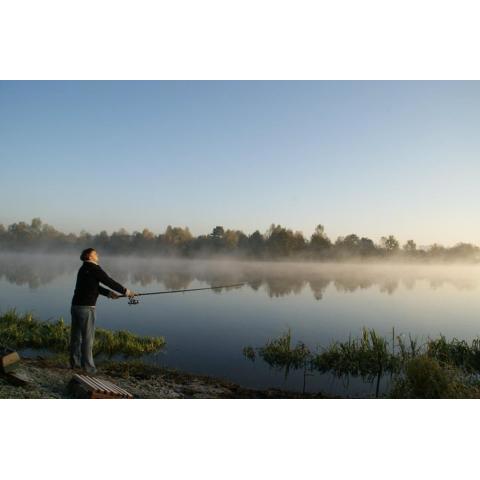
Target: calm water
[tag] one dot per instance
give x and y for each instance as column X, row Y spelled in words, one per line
column 206, row 331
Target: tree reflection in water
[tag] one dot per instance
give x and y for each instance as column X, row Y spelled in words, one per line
column 275, row 279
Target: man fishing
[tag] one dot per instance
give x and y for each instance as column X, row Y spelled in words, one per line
column 84, row 299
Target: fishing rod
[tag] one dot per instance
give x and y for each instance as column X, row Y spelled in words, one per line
column 134, row 301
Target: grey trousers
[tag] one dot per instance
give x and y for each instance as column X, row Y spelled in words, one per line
column 81, row 338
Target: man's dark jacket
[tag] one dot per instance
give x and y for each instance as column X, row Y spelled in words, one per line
column 87, row 288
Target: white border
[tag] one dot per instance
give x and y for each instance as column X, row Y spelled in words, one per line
column 248, row 39
column 238, row 439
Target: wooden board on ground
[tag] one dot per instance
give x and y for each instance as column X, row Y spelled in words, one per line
column 85, row 386
column 9, row 360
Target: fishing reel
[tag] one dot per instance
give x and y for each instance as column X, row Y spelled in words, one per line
column 133, row 301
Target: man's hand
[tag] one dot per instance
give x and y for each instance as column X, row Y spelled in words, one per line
column 113, row 295
column 130, row 293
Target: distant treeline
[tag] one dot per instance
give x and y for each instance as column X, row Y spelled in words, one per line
column 277, row 243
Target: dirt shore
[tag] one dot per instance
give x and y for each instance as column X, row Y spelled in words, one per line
column 49, row 378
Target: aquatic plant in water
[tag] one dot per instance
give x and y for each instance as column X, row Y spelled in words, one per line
column 24, row 331
column 279, row 353
column 443, row 367
column 426, row 377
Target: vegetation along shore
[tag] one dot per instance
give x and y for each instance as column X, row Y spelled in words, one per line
column 118, row 353
column 434, row 368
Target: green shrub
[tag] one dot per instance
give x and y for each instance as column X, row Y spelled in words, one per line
column 426, row 377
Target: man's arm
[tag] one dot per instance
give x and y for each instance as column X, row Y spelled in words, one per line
column 103, row 291
column 102, row 277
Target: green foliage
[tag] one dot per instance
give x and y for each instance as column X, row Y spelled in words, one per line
column 319, row 242
column 435, row 369
column 456, row 352
column 276, row 243
column 282, row 242
column 408, row 349
column 368, row 357
column 279, row 353
column 426, row 377
column 24, row 331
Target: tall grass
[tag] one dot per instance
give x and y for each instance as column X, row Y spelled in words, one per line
column 368, row 356
column 279, row 353
column 441, row 365
column 24, row 331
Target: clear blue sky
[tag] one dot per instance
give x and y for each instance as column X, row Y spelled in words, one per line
column 373, row 158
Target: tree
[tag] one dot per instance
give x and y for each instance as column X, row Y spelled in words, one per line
column 390, row 244
column 36, row 225
column 410, row 247
column 143, row 241
column 319, row 242
column 352, row 242
column 175, row 239
column 230, row 240
column 256, row 244
column 347, row 246
column 367, row 247
column 85, row 239
column 120, row 241
column 102, row 240
column 464, row 251
column 218, row 232
column 436, row 250
column 281, row 242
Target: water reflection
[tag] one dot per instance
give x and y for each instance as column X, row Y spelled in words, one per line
column 275, row 279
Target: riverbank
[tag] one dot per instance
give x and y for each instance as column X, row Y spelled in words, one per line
column 49, row 378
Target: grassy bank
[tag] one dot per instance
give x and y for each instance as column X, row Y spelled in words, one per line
column 19, row 331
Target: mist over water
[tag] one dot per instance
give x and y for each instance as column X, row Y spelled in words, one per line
column 206, row 331
column 275, row 279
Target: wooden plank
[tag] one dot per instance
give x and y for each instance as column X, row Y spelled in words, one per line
column 97, row 388
column 84, row 382
column 116, row 389
column 122, row 391
column 91, row 384
column 101, row 386
column 109, row 387
column 9, row 361
column 86, row 386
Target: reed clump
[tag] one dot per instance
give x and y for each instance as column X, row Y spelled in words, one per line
column 436, row 368
column 426, row 377
column 459, row 353
column 281, row 354
column 21, row 331
column 367, row 356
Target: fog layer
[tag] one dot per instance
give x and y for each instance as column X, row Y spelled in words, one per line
column 274, row 278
